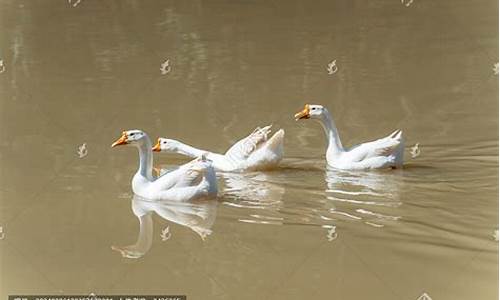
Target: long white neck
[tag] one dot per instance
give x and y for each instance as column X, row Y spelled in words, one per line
column 332, row 135
column 189, row 150
column 145, row 159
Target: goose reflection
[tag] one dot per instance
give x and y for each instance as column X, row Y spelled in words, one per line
column 255, row 189
column 370, row 197
column 260, row 198
column 198, row 216
column 252, row 187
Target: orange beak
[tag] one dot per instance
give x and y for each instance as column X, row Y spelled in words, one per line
column 303, row 114
column 121, row 141
column 156, row 147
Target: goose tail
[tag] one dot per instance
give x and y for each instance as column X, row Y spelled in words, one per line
column 275, row 143
column 400, row 149
column 397, row 134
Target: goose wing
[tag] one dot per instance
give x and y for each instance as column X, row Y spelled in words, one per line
column 246, row 146
column 186, row 175
column 382, row 147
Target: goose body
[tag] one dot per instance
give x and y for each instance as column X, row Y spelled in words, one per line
column 254, row 152
column 190, row 181
column 382, row 153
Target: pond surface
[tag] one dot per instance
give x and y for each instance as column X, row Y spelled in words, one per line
column 82, row 72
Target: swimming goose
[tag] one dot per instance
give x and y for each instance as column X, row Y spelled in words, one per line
column 382, row 153
column 190, row 181
column 254, row 152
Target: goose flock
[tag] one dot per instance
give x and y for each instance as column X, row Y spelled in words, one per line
column 258, row 151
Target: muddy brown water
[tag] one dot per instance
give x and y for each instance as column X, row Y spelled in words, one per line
column 82, row 74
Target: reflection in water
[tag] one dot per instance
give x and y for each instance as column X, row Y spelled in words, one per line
column 366, row 196
column 197, row 215
column 231, row 67
column 254, row 191
column 257, row 198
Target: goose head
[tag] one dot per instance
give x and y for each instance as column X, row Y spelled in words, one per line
column 166, row 145
column 310, row 111
column 130, row 137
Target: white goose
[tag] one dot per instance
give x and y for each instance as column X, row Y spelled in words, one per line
column 382, row 153
column 254, row 152
column 190, row 181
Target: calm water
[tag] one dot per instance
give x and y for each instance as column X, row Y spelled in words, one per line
column 83, row 74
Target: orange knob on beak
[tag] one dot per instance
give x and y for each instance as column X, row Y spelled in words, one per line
column 156, row 147
column 303, row 114
column 121, row 141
